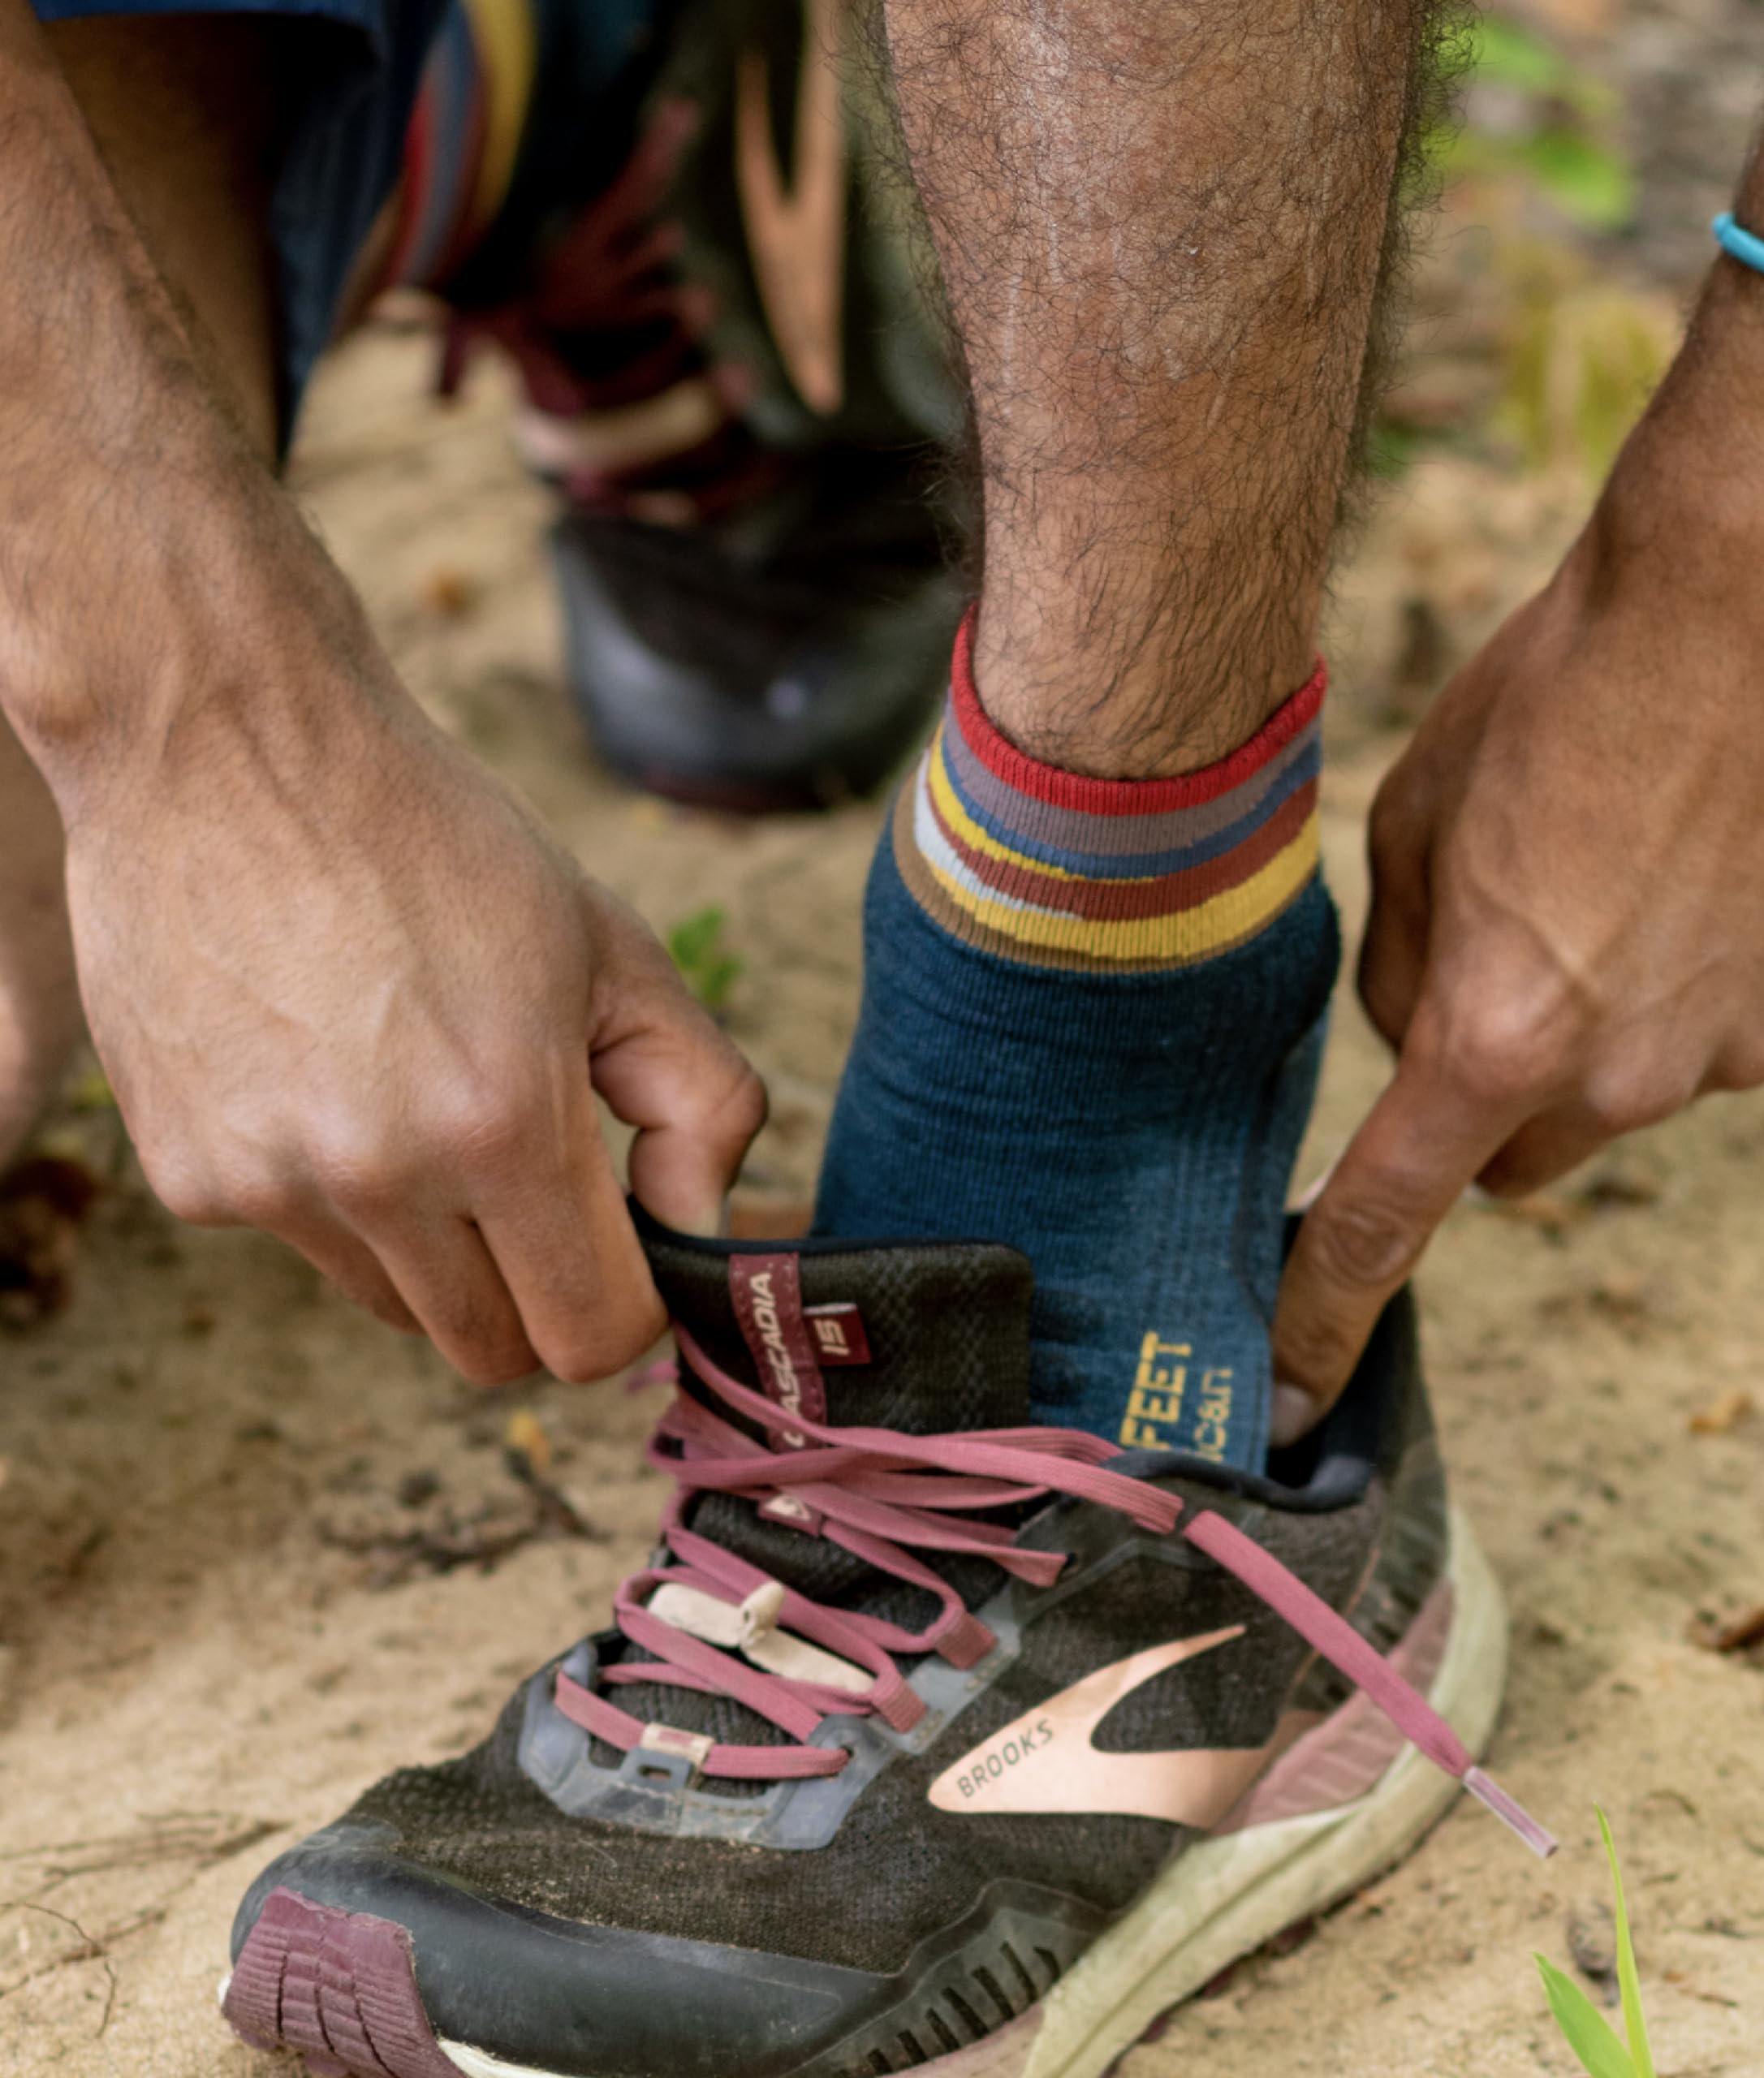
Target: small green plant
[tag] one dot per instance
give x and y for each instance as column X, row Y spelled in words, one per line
column 1556, row 127
column 1589, row 2034
column 90, row 1091
column 708, row 968
column 1582, row 359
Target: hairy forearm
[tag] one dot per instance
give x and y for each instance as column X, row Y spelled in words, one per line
column 134, row 504
column 1562, row 944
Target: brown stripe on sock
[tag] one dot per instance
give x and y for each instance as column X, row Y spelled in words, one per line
column 929, row 893
column 1165, row 894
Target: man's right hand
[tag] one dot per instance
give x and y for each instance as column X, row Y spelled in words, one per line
column 1565, row 943
column 347, row 992
column 344, row 986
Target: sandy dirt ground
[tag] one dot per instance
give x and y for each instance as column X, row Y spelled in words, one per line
column 238, row 1523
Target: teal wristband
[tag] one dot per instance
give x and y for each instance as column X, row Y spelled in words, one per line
column 1737, row 242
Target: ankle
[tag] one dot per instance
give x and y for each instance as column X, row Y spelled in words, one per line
column 1037, row 862
column 1145, row 703
column 1093, row 1014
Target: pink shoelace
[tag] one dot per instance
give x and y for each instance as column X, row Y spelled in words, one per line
column 880, row 1494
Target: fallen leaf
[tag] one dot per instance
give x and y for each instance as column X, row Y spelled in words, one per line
column 1615, row 1192
column 1732, row 1634
column 1556, row 1212
column 525, row 1437
column 1721, row 1414
column 1548, row 1211
column 451, row 594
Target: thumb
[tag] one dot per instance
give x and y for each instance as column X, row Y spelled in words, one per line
column 1401, row 1173
column 662, row 1066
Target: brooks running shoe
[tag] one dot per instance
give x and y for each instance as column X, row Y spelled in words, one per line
column 926, row 1739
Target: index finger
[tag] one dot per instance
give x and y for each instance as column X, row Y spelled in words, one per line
column 1423, row 1141
column 559, row 1231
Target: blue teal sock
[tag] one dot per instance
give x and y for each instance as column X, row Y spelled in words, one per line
column 1091, row 1020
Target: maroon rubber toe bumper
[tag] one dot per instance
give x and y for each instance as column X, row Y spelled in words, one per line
column 340, row 1986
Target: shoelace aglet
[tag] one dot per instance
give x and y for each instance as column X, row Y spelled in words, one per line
column 1511, row 1812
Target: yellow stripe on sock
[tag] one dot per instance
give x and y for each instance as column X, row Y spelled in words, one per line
column 976, row 839
column 1210, row 927
column 508, row 52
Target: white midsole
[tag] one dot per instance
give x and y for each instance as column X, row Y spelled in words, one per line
column 480, row 2063
column 1223, row 1898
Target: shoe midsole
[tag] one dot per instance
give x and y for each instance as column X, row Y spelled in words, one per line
column 1223, row 1898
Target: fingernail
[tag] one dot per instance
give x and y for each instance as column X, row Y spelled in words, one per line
column 1291, row 1414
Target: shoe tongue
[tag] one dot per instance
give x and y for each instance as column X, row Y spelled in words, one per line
column 920, row 1338
column 925, row 1338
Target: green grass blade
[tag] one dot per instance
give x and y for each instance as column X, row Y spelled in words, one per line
column 1502, row 51
column 1592, row 184
column 1627, row 1983
column 1588, row 2032
column 697, row 947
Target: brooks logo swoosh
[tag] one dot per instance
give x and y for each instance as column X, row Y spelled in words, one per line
column 1047, row 1760
column 797, row 235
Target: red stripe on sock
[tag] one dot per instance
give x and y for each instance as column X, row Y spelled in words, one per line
column 1073, row 789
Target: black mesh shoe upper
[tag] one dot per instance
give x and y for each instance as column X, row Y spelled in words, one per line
column 1359, row 1516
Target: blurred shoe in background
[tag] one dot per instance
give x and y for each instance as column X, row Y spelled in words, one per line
column 713, row 289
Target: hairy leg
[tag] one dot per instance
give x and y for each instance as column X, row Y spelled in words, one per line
column 1098, row 953
column 1162, row 225
column 184, row 113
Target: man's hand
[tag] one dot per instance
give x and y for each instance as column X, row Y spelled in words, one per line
column 348, row 992
column 1567, row 936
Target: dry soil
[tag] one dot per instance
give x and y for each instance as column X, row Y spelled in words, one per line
column 226, row 1596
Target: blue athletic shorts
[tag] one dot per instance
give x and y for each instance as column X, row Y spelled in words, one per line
column 344, row 155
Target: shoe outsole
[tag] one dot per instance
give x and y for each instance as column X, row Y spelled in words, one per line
column 341, row 1987
column 338, row 1986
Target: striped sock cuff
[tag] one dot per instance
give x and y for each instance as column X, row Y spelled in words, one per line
column 1113, row 876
